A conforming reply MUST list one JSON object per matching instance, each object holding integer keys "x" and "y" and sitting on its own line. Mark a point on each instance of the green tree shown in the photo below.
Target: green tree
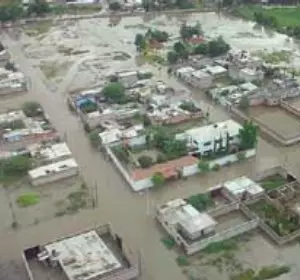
{"x": 244, "y": 103}
{"x": 200, "y": 201}
{"x": 218, "y": 47}
{"x": 201, "y": 49}
{"x": 115, "y": 6}
{"x": 94, "y": 138}
{"x": 158, "y": 179}
{"x": 32, "y": 109}
{"x": 140, "y": 42}
{"x": 11, "y": 11}
{"x": 248, "y": 135}
{"x": 145, "y": 161}
{"x": 38, "y": 7}
{"x": 172, "y": 57}
{"x": 187, "y": 31}
{"x": 10, "y": 66}
{"x": 179, "y": 48}
{"x": 203, "y": 166}
{"x": 114, "y": 92}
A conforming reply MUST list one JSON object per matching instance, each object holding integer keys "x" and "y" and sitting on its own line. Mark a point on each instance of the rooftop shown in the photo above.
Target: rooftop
{"x": 83, "y": 256}
{"x": 54, "y": 151}
{"x": 241, "y": 185}
{"x": 213, "y": 131}
{"x": 214, "y": 70}
{"x": 168, "y": 169}
{"x": 199, "y": 74}
{"x": 52, "y": 168}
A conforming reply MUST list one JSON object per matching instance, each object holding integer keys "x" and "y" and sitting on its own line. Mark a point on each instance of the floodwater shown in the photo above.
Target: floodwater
{"x": 287, "y": 125}
{"x": 132, "y": 215}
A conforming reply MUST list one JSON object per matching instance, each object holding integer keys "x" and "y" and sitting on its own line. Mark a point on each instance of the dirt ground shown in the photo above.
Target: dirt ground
{"x": 286, "y": 124}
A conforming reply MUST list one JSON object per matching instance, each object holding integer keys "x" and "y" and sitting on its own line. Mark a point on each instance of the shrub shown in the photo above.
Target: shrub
{"x": 203, "y": 166}
{"x": 217, "y": 247}
{"x": 273, "y": 271}
{"x": 200, "y": 201}
{"x": 169, "y": 242}
{"x": 182, "y": 261}
{"x": 94, "y": 138}
{"x": 32, "y": 109}
{"x": 161, "y": 158}
{"x": 28, "y": 199}
{"x": 216, "y": 167}
{"x": 145, "y": 161}
{"x": 158, "y": 179}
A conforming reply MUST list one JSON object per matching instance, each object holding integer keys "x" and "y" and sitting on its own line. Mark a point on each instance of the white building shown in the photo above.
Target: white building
{"x": 128, "y": 78}
{"x": 243, "y": 186}
{"x": 53, "y": 152}
{"x": 179, "y": 217}
{"x": 216, "y": 71}
{"x": 53, "y": 172}
{"x": 201, "y": 79}
{"x": 207, "y": 139}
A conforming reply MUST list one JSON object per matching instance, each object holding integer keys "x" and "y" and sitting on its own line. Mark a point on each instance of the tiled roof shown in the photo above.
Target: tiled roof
{"x": 168, "y": 169}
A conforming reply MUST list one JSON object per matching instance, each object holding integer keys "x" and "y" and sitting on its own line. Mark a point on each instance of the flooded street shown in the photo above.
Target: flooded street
{"x": 126, "y": 211}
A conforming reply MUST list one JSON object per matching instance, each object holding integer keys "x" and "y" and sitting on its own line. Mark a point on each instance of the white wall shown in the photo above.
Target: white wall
{"x": 190, "y": 170}
{"x": 142, "y": 184}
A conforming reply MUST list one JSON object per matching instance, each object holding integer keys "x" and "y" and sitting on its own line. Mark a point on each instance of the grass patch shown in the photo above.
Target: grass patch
{"x": 217, "y": 247}
{"x": 54, "y": 69}
{"x": 274, "y": 57}
{"x": 28, "y": 199}
{"x": 182, "y": 261}
{"x": 169, "y": 242}
{"x": 273, "y": 182}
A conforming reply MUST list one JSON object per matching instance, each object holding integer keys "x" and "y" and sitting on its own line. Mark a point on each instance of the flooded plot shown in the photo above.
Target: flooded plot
{"x": 295, "y": 103}
{"x": 230, "y": 220}
{"x": 278, "y": 120}
{"x": 28, "y": 205}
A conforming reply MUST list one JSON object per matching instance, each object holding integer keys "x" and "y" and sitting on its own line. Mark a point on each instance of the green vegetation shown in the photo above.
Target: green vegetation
{"x": 144, "y": 75}
{"x": 94, "y": 138}
{"x": 266, "y": 272}
{"x": 114, "y": 92}
{"x": 115, "y": 6}
{"x": 28, "y": 199}
{"x": 172, "y": 57}
{"x": 169, "y": 242}
{"x": 216, "y": 167}
{"x": 241, "y": 156}
{"x": 182, "y": 261}
{"x": 189, "y": 106}
{"x": 32, "y": 109}
{"x": 145, "y": 161}
{"x": 284, "y": 20}
{"x": 217, "y": 247}
{"x": 17, "y": 124}
{"x": 283, "y": 221}
{"x": 273, "y": 182}
{"x": 203, "y": 166}
{"x": 244, "y": 103}
{"x": 275, "y": 57}
{"x": 158, "y": 179}
{"x": 188, "y": 31}
{"x": 10, "y": 66}
{"x": 14, "y": 168}
{"x": 201, "y": 201}
{"x": 88, "y": 107}
{"x": 168, "y": 145}
{"x": 248, "y": 135}
{"x": 121, "y": 153}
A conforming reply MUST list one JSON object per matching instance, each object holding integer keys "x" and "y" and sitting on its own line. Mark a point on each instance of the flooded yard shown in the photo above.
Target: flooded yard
{"x": 278, "y": 120}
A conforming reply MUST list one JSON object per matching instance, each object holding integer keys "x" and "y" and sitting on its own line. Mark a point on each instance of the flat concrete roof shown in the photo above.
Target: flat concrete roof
{"x": 83, "y": 256}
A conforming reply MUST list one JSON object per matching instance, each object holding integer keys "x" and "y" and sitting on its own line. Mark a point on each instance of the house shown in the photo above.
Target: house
{"x": 53, "y": 172}
{"x": 128, "y": 78}
{"x": 141, "y": 178}
{"x": 52, "y": 152}
{"x": 184, "y": 73}
{"x": 181, "y": 219}
{"x": 216, "y": 71}
{"x": 96, "y": 253}
{"x": 247, "y": 74}
{"x": 4, "y": 57}
{"x": 206, "y": 139}
{"x": 201, "y": 79}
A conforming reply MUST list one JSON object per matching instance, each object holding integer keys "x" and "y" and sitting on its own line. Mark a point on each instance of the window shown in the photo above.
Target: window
{"x": 207, "y": 143}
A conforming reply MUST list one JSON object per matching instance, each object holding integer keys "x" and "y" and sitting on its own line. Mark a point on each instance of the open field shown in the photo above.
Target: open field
{"x": 286, "y": 16}
{"x": 277, "y": 119}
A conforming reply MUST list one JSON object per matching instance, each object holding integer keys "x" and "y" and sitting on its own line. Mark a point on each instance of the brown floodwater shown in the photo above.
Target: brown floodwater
{"x": 129, "y": 213}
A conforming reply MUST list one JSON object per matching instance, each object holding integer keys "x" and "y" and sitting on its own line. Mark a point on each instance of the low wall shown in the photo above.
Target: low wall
{"x": 270, "y": 172}
{"x": 223, "y": 210}
{"x": 220, "y": 236}
{"x": 265, "y": 129}
{"x": 291, "y": 109}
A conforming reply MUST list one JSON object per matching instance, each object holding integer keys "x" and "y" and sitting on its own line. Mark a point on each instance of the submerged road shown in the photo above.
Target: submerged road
{"x": 126, "y": 211}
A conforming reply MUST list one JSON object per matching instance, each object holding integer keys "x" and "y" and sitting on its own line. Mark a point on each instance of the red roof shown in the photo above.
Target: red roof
{"x": 168, "y": 169}
{"x": 196, "y": 40}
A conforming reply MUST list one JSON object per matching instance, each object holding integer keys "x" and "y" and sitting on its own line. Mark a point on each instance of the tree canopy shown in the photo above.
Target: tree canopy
{"x": 32, "y": 109}
{"x": 158, "y": 179}
{"x": 188, "y": 31}
{"x": 114, "y": 92}
{"x": 172, "y": 57}
{"x": 140, "y": 42}
{"x": 248, "y": 135}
